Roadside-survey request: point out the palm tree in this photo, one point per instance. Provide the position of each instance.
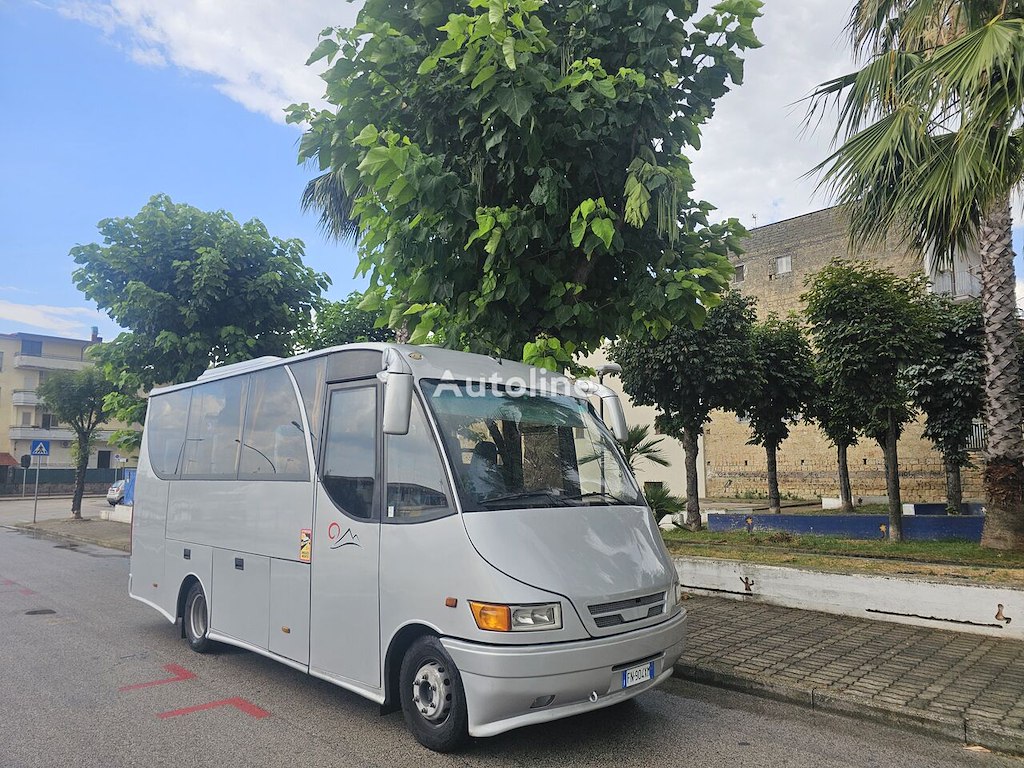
(931, 149)
(639, 445)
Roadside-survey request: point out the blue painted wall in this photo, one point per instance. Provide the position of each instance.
(915, 527)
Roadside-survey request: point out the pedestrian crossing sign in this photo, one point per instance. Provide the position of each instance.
(40, 448)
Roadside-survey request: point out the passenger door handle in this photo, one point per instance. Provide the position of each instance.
(239, 564)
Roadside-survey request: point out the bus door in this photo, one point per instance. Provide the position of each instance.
(344, 610)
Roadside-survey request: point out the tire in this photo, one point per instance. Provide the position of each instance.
(195, 620)
(433, 699)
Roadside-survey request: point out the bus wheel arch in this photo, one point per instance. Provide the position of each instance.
(432, 695)
(400, 643)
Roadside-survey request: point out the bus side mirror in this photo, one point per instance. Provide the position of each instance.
(613, 415)
(397, 402)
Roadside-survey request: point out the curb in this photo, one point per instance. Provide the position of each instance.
(107, 543)
(954, 728)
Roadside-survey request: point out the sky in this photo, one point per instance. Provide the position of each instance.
(108, 102)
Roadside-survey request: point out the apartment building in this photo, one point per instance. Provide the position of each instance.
(26, 360)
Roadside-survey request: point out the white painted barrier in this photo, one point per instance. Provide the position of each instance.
(993, 611)
(122, 513)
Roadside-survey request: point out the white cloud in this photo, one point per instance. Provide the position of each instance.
(74, 322)
(754, 151)
(253, 49)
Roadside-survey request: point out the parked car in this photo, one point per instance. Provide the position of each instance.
(115, 493)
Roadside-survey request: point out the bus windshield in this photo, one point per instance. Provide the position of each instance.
(526, 449)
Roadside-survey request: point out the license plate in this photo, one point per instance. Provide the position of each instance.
(638, 674)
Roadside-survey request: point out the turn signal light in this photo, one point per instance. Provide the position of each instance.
(496, 618)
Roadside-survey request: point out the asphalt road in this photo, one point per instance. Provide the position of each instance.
(72, 640)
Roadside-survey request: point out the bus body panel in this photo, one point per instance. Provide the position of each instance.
(289, 609)
(149, 515)
(240, 596)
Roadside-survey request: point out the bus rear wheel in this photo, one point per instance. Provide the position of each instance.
(433, 699)
(196, 620)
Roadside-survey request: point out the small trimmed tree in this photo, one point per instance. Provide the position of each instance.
(780, 393)
(690, 373)
(868, 324)
(194, 289)
(77, 398)
(835, 418)
(948, 386)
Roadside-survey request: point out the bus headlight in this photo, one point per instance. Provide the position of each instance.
(498, 617)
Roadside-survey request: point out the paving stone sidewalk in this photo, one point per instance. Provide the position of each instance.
(963, 686)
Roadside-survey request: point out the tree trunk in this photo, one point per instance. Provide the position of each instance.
(954, 487)
(1004, 454)
(892, 480)
(81, 462)
(692, 495)
(845, 490)
(774, 500)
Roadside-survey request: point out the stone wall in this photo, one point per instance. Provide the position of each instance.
(807, 461)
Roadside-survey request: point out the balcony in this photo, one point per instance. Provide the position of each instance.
(49, 363)
(25, 397)
(59, 435)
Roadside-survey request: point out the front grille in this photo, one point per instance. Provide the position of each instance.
(611, 614)
(621, 605)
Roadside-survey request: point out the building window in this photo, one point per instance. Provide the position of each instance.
(50, 421)
(738, 277)
(31, 348)
(26, 418)
(1, 362)
(783, 265)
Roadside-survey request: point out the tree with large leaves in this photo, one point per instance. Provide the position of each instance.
(343, 322)
(514, 170)
(690, 373)
(869, 324)
(931, 151)
(780, 393)
(77, 398)
(194, 289)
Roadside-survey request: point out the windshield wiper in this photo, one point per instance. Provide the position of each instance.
(561, 500)
(593, 494)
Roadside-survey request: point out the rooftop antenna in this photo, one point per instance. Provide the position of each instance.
(754, 217)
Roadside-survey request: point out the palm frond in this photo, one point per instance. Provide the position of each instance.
(327, 195)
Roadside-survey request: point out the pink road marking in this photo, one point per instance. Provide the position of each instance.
(180, 673)
(8, 582)
(248, 707)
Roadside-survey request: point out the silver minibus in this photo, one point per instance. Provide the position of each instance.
(448, 533)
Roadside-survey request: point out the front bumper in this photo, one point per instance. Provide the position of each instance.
(503, 682)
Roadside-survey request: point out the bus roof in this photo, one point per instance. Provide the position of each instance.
(425, 362)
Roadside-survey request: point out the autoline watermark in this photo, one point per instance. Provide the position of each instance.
(538, 383)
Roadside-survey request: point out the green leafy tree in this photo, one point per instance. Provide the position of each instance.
(640, 446)
(690, 373)
(194, 289)
(77, 398)
(780, 392)
(948, 387)
(931, 151)
(835, 417)
(343, 322)
(514, 170)
(868, 324)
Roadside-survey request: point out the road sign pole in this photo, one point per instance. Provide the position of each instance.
(35, 503)
(24, 481)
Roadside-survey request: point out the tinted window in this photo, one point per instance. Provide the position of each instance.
(350, 452)
(273, 441)
(214, 431)
(165, 431)
(311, 376)
(417, 489)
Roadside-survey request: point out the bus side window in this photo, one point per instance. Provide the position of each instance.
(350, 453)
(273, 441)
(214, 430)
(417, 489)
(165, 431)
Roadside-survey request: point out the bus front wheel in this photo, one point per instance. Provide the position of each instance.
(433, 699)
(196, 620)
